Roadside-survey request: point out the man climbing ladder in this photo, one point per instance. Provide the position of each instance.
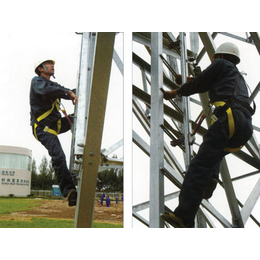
(231, 128)
(47, 123)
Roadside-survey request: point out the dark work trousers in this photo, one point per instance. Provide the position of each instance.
(52, 144)
(207, 161)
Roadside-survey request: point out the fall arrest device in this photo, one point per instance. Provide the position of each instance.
(180, 141)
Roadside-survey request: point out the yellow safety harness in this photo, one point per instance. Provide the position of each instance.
(43, 116)
(231, 124)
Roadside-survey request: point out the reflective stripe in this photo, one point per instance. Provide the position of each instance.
(231, 125)
(43, 116)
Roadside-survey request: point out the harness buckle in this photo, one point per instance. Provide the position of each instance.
(46, 128)
(214, 118)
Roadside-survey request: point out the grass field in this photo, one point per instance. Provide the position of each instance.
(9, 205)
(10, 208)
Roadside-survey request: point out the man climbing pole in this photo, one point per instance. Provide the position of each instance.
(47, 123)
(231, 129)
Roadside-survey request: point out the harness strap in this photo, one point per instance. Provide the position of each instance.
(231, 122)
(231, 125)
(44, 115)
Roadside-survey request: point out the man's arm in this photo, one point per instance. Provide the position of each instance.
(200, 84)
(49, 88)
(73, 97)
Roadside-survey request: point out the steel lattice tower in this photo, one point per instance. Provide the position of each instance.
(158, 168)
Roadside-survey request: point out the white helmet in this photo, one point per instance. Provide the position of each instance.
(228, 48)
(39, 62)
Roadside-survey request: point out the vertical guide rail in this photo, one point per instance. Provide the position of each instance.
(186, 101)
(88, 45)
(156, 144)
(97, 108)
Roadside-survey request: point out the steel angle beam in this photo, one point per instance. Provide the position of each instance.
(248, 159)
(143, 146)
(245, 175)
(140, 218)
(91, 155)
(118, 62)
(145, 39)
(206, 217)
(139, 113)
(112, 148)
(250, 203)
(254, 93)
(172, 175)
(138, 61)
(141, 143)
(230, 35)
(146, 98)
(216, 214)
(141, 206)
(252, 148)
(256, 39)
(203, 51)
(231, 197)
(145, 205)
(208, 43)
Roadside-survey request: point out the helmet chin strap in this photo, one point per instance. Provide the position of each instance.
(48, 71)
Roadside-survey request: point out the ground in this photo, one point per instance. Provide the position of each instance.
(59, 209)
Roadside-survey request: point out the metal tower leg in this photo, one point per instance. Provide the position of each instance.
(185, 105)
(156, 161)
(97, 107)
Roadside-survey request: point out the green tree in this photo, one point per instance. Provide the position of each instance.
(45, 178)
(34, 177)
(110, 180)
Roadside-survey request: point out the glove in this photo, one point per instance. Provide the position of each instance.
(178, 79)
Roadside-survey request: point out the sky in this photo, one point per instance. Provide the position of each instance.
(18, 53)
(250, 63)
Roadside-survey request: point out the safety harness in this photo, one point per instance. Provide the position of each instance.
(226, 107)
(55, 104)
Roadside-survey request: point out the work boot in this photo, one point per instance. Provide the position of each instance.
(210, 188)
(72, 198)
(174, 220)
